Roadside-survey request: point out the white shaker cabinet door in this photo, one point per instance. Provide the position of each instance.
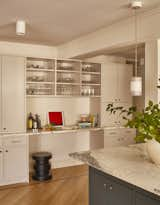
(124, 80)
(1, 164)
(13, 94)
(109, 85)
(0, 94)
(15, 166)
(107, 119)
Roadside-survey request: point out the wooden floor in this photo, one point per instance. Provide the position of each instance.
(68, 187)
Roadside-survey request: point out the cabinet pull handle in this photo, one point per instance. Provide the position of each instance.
(0, 151)
(112, 133)
(128, 131)
(105, 187)
(16, 141)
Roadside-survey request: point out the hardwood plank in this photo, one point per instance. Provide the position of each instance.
(69, 186)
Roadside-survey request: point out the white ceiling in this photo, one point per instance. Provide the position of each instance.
(53, 22)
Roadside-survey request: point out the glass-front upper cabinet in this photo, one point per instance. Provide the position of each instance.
(90, 79)
(40, 76)
(68, 78)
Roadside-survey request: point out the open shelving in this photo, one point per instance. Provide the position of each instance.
(50, 77)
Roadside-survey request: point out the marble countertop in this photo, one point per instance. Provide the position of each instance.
(130, 164)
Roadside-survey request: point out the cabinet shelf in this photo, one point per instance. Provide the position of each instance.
(68, 71)
(61, 83)
(91, 73)
(90, 84)
(50, 83)
(40, 70)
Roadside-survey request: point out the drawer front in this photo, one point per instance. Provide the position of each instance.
(131, 132)
(111, 132)
(15, 140)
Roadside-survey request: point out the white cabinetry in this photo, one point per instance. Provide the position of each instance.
(0, 93)
(12, 94)
(14, 159)
(109, 78)
(125, 73)
(116, 79)
(1, 162)
(119, 137)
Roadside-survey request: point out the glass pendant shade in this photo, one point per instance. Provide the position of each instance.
(20, 27)
(136, 86)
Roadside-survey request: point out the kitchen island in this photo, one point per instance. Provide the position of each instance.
(121, 176)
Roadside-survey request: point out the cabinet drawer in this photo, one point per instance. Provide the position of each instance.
(128, 132)
(114, 132)
(14, 140)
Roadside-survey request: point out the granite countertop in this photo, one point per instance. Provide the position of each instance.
(130, 164)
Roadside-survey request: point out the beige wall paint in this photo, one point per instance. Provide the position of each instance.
(27, 50)
(116, 35)
(151, 71)
(158, 90)
(72, 107)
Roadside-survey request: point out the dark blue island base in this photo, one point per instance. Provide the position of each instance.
(105, 189)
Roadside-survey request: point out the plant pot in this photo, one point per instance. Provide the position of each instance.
(153, 148)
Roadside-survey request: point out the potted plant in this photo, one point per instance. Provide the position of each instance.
(147, 124)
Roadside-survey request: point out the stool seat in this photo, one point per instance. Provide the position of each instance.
(41, 156)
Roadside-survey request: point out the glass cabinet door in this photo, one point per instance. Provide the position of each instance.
(90, 79)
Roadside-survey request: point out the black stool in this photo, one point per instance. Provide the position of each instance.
(42, 166)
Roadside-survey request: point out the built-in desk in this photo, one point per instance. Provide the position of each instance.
(61, 142)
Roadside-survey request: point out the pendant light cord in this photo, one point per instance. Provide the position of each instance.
(136, 45)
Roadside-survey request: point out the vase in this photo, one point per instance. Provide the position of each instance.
(153, 149)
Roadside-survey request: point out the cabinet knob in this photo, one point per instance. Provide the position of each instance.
(6, 150)
(0, 151)
(111, 188)
(4, 128)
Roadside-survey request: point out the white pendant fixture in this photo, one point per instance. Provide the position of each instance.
(136, 82)
(136, 86)
(20, 27)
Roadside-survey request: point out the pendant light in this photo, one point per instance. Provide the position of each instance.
(136, 82)
(20, 27)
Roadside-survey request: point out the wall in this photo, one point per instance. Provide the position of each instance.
(158, 77)
(27, 50)
(72, 107)
(116, 35)
(151, 71)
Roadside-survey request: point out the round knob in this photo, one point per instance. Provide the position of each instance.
(0, 151)
(4, 128)
(110, 188)
(6, 150)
